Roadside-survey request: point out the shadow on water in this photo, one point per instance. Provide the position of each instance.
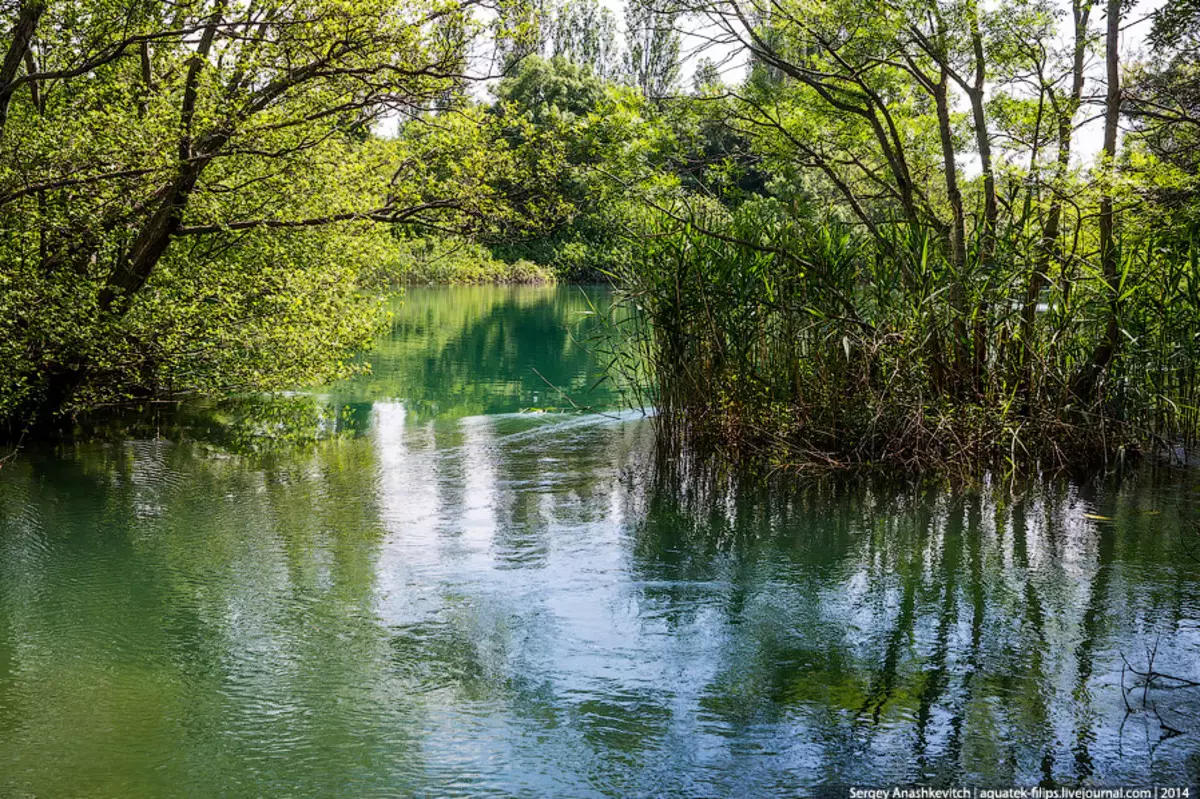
(443, 601)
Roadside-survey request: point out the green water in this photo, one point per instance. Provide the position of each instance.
(461, 595)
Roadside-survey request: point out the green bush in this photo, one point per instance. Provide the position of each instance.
(453, 261)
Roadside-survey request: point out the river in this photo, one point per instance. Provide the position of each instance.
(447, 578)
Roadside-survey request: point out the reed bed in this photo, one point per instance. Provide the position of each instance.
(811, 345)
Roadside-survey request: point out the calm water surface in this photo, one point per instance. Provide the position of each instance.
(461, 595)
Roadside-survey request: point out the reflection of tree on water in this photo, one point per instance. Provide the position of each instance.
(1093, 632)
(1034, 621)
(487, 532)
(479, 350)
(498, 603)
(404, 595)
(918, 647)
(208, 616)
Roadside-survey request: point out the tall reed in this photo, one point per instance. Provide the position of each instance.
(811, 344)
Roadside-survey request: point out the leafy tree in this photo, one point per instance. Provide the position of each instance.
(923, 191)
(1164, 102)
(707, 78)
(586, 33)
(542, 89)
(169, 173)
(611, 146)
(652, 57)
(523, 28)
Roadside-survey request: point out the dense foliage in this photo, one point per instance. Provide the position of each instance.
(935, 273)
(190, 192)
(917, 233)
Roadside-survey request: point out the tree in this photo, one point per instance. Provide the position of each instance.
(523, 28)
(1093, 370)
(540, 89)
(652, 58)
(1163, 100)
(707, 78)
(153, 155)
(867, 98)
(604, 138)
(586, 34)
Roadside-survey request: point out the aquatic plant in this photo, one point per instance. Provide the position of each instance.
(806, 343)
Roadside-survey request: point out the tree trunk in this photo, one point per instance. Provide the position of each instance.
(1065, 117)
(152, 241)
(987, 238)
(22, 34)
(1088, 379)
(957, 232)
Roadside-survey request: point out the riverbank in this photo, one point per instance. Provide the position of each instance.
(442, 261)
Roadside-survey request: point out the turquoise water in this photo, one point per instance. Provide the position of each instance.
(445, 580)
